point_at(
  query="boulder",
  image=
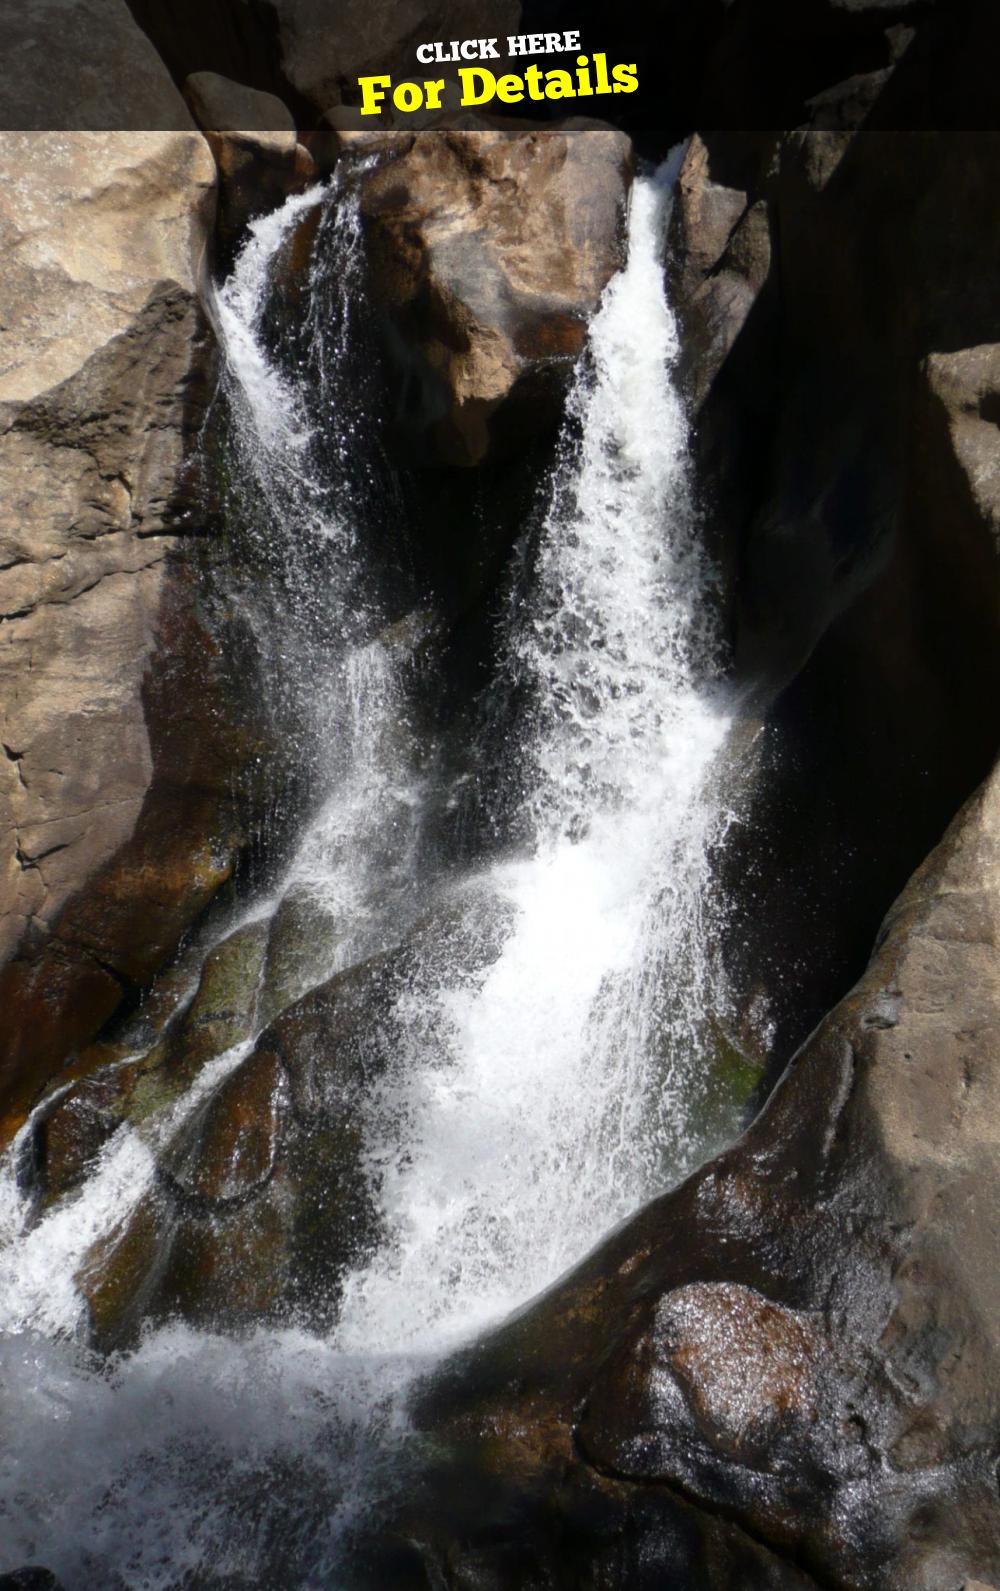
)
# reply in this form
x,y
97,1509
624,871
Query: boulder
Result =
x,y
260,1201
488,252
200,1007
263,1198
310,53
793,1356
83,67
323,55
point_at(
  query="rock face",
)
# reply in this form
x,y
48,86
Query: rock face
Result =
x,y
784,1372
307,52
121,726
133,755
252,136
489,252
839,309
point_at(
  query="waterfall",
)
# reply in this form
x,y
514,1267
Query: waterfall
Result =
x,y
550,1068
534,1107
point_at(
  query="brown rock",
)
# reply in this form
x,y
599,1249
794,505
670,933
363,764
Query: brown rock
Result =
x,y
489,252
802,1339
226,1152
263,1199
252,136
121,713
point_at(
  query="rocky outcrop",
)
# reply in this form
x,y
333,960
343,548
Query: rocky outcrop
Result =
x,y
123,728
263,1198
839,309
85,67
304,51
489,252
253,138
783,1372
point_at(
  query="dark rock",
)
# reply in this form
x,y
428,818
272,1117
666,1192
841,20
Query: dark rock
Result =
x,y
83,67
307,52
226,1152
30,1579
837,300
302,941
253,138
262,1199
800,1341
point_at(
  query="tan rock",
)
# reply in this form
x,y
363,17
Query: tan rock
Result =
x,y
722,255
89,224
490,250
967,382
115,821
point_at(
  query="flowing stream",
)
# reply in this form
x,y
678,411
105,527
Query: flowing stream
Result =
x,y
553,1070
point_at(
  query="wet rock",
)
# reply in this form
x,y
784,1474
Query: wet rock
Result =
x,y
302,941
264,1197
223,1010
489,252
260,1201
192,1014
118,1276
202,1244
226,1152
68,1137
800,1341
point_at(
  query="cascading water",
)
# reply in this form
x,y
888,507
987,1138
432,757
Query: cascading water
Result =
x,y
549,1071
554,1094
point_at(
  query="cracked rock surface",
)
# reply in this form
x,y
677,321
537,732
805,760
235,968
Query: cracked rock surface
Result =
x,y
117,822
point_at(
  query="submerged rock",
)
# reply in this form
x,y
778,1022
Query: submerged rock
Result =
x,y
190,1017
226,1153
302,942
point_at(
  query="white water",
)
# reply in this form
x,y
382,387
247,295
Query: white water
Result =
x,y
548,1081
39,1262
539,1103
